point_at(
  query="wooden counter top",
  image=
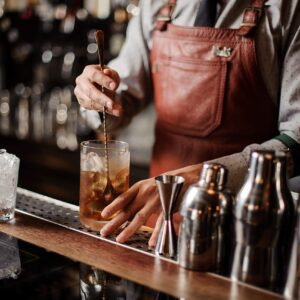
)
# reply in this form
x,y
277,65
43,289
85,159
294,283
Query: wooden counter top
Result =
x,y
143,269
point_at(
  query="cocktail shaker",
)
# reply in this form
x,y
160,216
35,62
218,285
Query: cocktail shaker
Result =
x,y
263,205
284,197
292,286
226,226
206,210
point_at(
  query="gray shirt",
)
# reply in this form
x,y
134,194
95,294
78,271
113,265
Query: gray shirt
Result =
x,y
278,50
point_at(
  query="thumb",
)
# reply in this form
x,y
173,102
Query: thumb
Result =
x,y
113,75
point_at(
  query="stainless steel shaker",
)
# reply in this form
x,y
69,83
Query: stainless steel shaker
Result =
x,y
226,226
285,199
260,215
292,286
205,211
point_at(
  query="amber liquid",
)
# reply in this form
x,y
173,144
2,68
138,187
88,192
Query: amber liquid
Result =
x,y
92,198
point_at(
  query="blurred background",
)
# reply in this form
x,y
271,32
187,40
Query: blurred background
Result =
x,y
44,46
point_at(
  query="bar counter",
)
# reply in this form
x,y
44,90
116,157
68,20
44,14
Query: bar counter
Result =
x,y
151,272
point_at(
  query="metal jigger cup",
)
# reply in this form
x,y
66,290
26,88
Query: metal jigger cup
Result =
x,y
169,188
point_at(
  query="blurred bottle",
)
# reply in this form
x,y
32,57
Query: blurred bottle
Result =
x,y
98,8
50,110
4,25
22,114
66,121
120,19
36,114
15,5
72,127
260,213
204,235
5,110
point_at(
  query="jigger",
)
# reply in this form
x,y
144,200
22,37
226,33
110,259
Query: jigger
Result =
x,y
169,188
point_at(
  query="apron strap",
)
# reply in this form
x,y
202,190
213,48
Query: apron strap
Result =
x,y
165,15
252,16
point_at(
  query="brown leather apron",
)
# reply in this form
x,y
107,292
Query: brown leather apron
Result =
x,y
210,98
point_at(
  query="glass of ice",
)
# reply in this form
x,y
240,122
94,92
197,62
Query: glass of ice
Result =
x,y
9,166
93,179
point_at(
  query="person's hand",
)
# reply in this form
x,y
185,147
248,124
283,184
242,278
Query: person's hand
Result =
x,y
136,204
139,203
88,89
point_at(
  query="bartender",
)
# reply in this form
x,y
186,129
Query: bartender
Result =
x,y
224,76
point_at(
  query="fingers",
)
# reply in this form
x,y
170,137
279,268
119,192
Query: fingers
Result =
x,y
139,219
154,236
137,204
114,224
90,96
120,202
105,78
112,74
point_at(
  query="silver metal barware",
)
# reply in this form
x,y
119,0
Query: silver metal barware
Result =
x,y
169,188
206,211
262,212
292,285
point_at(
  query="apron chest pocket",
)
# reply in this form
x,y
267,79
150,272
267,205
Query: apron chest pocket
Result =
x,y
190,94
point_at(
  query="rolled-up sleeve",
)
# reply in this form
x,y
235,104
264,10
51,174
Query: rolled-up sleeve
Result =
x,y
133,64
289,109
288,98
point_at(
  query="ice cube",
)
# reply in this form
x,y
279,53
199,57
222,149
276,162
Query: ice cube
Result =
x,y
118,163
92,162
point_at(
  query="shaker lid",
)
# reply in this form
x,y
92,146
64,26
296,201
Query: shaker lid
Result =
x,y
213,175
212,182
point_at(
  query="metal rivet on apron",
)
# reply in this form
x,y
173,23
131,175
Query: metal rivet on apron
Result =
x,y
222,52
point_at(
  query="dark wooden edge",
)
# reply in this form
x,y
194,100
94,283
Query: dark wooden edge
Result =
x,y
152,272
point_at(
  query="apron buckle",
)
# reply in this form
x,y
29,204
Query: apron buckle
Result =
x,y
166,11
251,16
163,18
